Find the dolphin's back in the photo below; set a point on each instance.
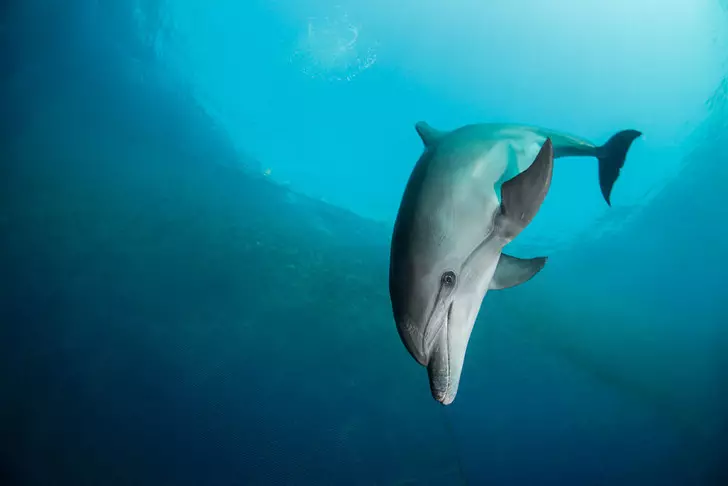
(564, 144)
(526, 140)
(498, 152)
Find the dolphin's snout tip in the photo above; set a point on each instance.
(444, 399)
(441, 386)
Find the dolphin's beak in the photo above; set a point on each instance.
(447, 356)
(443, 384)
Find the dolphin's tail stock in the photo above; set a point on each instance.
(611, 157)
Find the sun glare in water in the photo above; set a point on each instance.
(334, 48)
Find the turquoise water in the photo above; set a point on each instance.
(196, 206)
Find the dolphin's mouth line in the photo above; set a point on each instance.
(449, 354)
(428, 338)
(425, 340)
(440, 370)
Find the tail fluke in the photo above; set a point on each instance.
(611, 157)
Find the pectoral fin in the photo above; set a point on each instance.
(512, 271)
(521, 197)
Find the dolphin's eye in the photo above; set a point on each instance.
(448, 279)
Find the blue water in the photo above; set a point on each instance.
(196, 204)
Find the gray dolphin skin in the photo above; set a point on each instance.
(449, 234)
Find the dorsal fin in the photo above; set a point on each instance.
(429, 135)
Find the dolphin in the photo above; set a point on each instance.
(448, 237)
